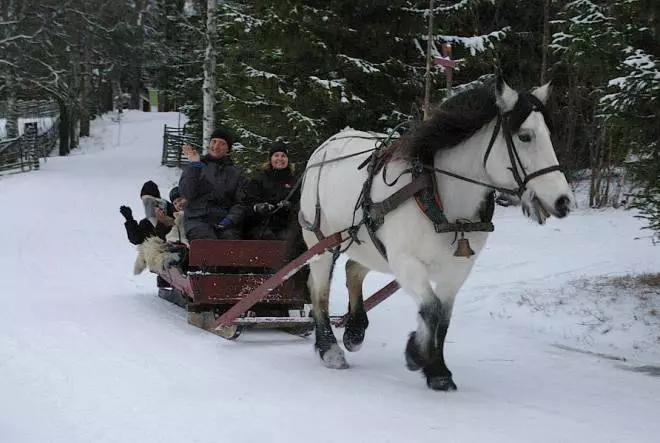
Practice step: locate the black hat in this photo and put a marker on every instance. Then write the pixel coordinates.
(150, 188)
(223, 134)
(174, 193)
(278, 146)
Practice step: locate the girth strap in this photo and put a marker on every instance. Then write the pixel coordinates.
(374, 213)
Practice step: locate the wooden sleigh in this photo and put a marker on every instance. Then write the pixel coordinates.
(232, 285)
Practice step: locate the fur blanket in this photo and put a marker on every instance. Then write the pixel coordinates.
(157, 255)
(178, 233)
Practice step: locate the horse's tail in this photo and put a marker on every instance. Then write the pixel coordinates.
(296, 246)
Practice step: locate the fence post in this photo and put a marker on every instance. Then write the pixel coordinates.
(163, 159)
(30, 150)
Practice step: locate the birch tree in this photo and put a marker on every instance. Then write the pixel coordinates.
(208, 89)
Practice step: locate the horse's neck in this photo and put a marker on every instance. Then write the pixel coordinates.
(461, 199)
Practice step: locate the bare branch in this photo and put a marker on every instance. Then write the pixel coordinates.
(20, 37)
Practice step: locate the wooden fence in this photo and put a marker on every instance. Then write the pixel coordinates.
(22, 154)
(173, 141)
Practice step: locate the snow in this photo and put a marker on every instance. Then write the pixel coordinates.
(477, 43)
(88, 352)
(363, 65)
(43, 124)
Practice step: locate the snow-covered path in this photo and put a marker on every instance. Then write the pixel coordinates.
(88, 353)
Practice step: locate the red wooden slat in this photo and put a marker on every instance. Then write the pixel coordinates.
(243, 253)
(287, 271)
(231, 288)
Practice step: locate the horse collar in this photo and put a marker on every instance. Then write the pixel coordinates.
(429, 202)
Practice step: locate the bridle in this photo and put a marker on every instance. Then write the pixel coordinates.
(517, 169)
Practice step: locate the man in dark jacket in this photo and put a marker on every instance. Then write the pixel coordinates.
(215, 190)
(138, 232)
(271, 196)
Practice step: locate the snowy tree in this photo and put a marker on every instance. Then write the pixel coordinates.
(631, 108)
(300, 71)
(587, 44)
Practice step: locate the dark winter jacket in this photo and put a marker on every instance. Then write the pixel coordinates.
(272, 186)
(215, 189)
(138, 232)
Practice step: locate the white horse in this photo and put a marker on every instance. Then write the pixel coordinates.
(478, 141)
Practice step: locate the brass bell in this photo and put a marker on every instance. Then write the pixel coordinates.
(463, 249)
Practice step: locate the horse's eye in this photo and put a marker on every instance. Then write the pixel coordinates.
(525, 138)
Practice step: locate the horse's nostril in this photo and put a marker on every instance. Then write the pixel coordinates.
(562, 205)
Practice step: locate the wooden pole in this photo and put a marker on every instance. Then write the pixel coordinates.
(429, 59)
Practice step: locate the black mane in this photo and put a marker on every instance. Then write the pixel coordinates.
(459, 118)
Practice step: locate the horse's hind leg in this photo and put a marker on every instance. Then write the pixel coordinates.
(357, 322)
(319, 285)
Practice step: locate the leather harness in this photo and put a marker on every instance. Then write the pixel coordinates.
(425, 192)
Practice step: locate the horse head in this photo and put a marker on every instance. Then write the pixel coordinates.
(520, 156)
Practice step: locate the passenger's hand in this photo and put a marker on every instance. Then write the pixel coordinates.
(263, 208)
(223, 224)
(191, 153)
(126, 212)
(285, 204)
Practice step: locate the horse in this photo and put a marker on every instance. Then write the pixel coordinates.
(404, 212)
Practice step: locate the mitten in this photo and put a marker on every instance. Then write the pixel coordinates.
(126, 212)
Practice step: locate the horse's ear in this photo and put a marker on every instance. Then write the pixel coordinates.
(542, 92)
(506, 97)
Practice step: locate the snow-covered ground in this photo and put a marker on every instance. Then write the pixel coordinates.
(540, 349)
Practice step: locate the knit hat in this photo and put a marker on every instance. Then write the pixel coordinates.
(277, 146)
(174, 194)
(223, 134)
(150, 188)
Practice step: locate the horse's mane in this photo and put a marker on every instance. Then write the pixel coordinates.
(459, 118)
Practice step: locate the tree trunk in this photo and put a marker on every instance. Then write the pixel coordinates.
(208, 88)
(546, 39)
(74, 126)
(136, 88)
(11, 125)
(86, 88)
(64, 128)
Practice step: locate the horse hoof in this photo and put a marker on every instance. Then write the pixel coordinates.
(333, 358)
(353, 339)
(441, 383)
(414, 359)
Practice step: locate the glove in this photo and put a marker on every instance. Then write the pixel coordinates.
(223, 224)
(263, 208)
(126, 212)
(284, 204)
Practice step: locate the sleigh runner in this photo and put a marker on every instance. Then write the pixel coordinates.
(239, 284)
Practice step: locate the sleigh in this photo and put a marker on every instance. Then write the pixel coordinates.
(233, 285)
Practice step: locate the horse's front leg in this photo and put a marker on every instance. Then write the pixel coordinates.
(425, 347)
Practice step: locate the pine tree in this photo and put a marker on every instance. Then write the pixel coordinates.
(631, 109)
(301, 71)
